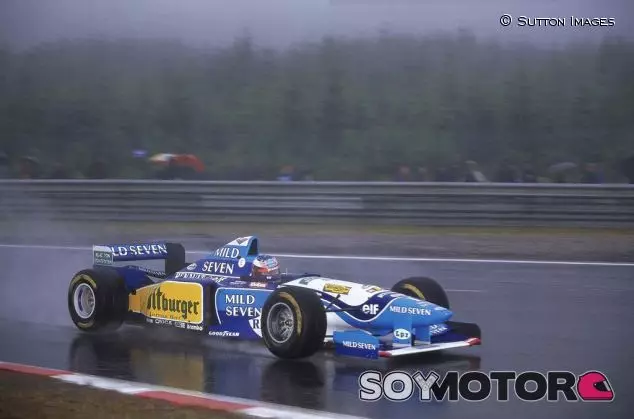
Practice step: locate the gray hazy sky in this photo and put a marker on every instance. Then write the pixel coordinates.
(283, 22)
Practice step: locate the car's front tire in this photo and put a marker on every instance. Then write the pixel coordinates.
(424, 289)
(97, 300)
(293, 322)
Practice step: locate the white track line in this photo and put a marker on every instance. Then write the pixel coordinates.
(450, 290)
(44, 246)
(456, 260)
(366, 258)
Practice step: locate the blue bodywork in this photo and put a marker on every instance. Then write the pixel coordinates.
(374, 320)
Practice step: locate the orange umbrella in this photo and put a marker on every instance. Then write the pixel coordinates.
(189, 160)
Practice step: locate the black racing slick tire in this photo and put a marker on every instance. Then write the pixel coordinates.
(293, 323)
(97, 300)
(423, 288)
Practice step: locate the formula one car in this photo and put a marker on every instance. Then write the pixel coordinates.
(237, 292)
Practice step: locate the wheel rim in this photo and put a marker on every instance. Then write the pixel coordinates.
(280, 322)
(84, 301)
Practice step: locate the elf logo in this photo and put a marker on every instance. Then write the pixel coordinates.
(371, 309)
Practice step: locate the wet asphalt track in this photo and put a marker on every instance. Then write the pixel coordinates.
(533, 317)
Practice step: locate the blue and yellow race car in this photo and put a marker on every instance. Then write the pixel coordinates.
(237, 292)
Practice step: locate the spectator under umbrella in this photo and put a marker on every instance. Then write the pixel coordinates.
(178, 166)
(29, 167)
(627, 168)
(163, 161)
(59, 172)
(161, 158)
(591, 173)
(473, 172)
(561, 171)
(98, 169)
(4, 166)
(286, 174)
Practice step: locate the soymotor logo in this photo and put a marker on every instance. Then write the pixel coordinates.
(477, 386)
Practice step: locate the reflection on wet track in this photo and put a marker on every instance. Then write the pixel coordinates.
(533, 318)
(239, 369)
(228, 367)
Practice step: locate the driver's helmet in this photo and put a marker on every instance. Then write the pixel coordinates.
(265, 265)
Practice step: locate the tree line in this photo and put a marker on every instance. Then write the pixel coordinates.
(339, 108)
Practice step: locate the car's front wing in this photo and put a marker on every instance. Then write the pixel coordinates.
(417, 349)
(361, 343)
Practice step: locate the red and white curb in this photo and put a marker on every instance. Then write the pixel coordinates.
(177, 396)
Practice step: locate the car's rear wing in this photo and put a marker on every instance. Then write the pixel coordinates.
(172, 253)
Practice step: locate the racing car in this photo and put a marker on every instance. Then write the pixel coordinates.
(237, 292)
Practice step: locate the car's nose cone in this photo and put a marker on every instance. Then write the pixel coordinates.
(422, 312)
(441, 314)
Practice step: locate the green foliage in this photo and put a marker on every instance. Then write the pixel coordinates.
(343, 108)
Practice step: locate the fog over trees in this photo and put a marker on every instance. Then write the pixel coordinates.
(345, 107)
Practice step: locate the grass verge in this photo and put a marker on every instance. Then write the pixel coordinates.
(24, 396)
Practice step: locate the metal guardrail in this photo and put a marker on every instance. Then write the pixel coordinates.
(453, 204)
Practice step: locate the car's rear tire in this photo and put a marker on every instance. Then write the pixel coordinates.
(293, 322)
(424, 289)
(97, 300)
